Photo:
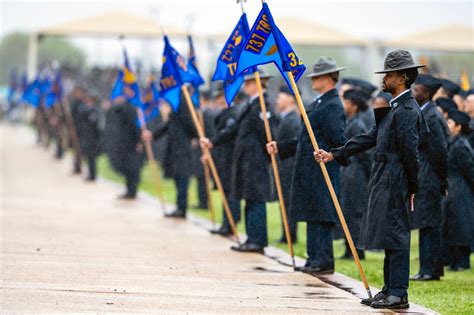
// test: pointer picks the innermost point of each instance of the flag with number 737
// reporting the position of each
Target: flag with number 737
(266, 43)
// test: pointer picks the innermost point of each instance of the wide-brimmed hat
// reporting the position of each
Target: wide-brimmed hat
(399, 60)
(324, 65)
(263, 75)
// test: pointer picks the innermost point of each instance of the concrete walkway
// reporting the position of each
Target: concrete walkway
(70, 246)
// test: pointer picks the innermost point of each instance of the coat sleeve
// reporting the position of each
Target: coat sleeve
(230, 130)
(160, 130)
(407, 123)
(132, 118)
(184, 115)
(226, 134)
(355, 145)
(465, 162)
(438, 150)
(287, 148)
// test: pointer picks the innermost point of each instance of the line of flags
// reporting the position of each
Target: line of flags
(244, 50)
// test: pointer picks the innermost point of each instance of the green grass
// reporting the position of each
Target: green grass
(454, 294)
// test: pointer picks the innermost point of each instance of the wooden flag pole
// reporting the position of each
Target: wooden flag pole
(151, 159)
(210, 161)
(329, 184)
(207, 179)
(276, 173)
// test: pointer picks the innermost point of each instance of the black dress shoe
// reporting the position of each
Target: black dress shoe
(377, 297)
(420, 277)
(224, 231)
(248, 248)
(391, 302)
(178, 214)
(127, 196)
(317, 270)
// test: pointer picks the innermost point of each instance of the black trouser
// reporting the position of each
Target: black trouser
(396, 272)
(256, 222)
(234, 206)
(182, 184)
(430, 251)
(59, 148)
(91, 160)
(132, 178)
(77, 162)
(319, 245)
(202, 191)
(461, 255)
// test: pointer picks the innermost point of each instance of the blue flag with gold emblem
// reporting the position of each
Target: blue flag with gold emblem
(35, 92)
(126, 79)
(226, 68)
(174, 73)
(266, 43)
(151, 101)
(55, 91)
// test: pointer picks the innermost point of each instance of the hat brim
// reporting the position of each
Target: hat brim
(401, 68)
(252, 77)
(317, 74)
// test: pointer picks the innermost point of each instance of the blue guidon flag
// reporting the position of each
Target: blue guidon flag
(266, 44)
(55, 91)
(151, 101)
(226, 68)
(192, 64)
(126, 79)
(174, 73)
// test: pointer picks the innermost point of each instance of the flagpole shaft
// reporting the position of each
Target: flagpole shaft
(211, 163)
(328, 183)
(276, 173)
(151, 159)
(207, 179)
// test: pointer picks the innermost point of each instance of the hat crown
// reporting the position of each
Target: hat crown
(324, 63)
(398, 59)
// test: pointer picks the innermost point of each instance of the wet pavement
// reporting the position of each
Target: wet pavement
(71, 246)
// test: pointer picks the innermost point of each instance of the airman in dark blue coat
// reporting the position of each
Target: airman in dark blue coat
(394, 178)
(460, 200)
(251, 175)
(433, 177)
(310, 199)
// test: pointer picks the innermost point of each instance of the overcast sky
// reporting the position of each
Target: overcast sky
(376, 19)
(366, 19)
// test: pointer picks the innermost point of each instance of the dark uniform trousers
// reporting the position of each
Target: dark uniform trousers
(319, 245)
(430, 251)
(91, 161)
(182, 184)
(202, 192)
(234, 206)
(132, 176)
(256, 222)
(396, 272)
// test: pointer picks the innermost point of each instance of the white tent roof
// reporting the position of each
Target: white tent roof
(303, 32)
(447, 38)
(111, 24)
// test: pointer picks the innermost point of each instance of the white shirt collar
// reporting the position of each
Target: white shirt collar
(425, 105)
(252, 98)
(393, 102)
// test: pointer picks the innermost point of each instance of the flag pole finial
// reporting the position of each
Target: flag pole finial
(242, 5)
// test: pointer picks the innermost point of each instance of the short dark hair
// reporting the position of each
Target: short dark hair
(334, 76)
(357, 98)
(409, 75)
